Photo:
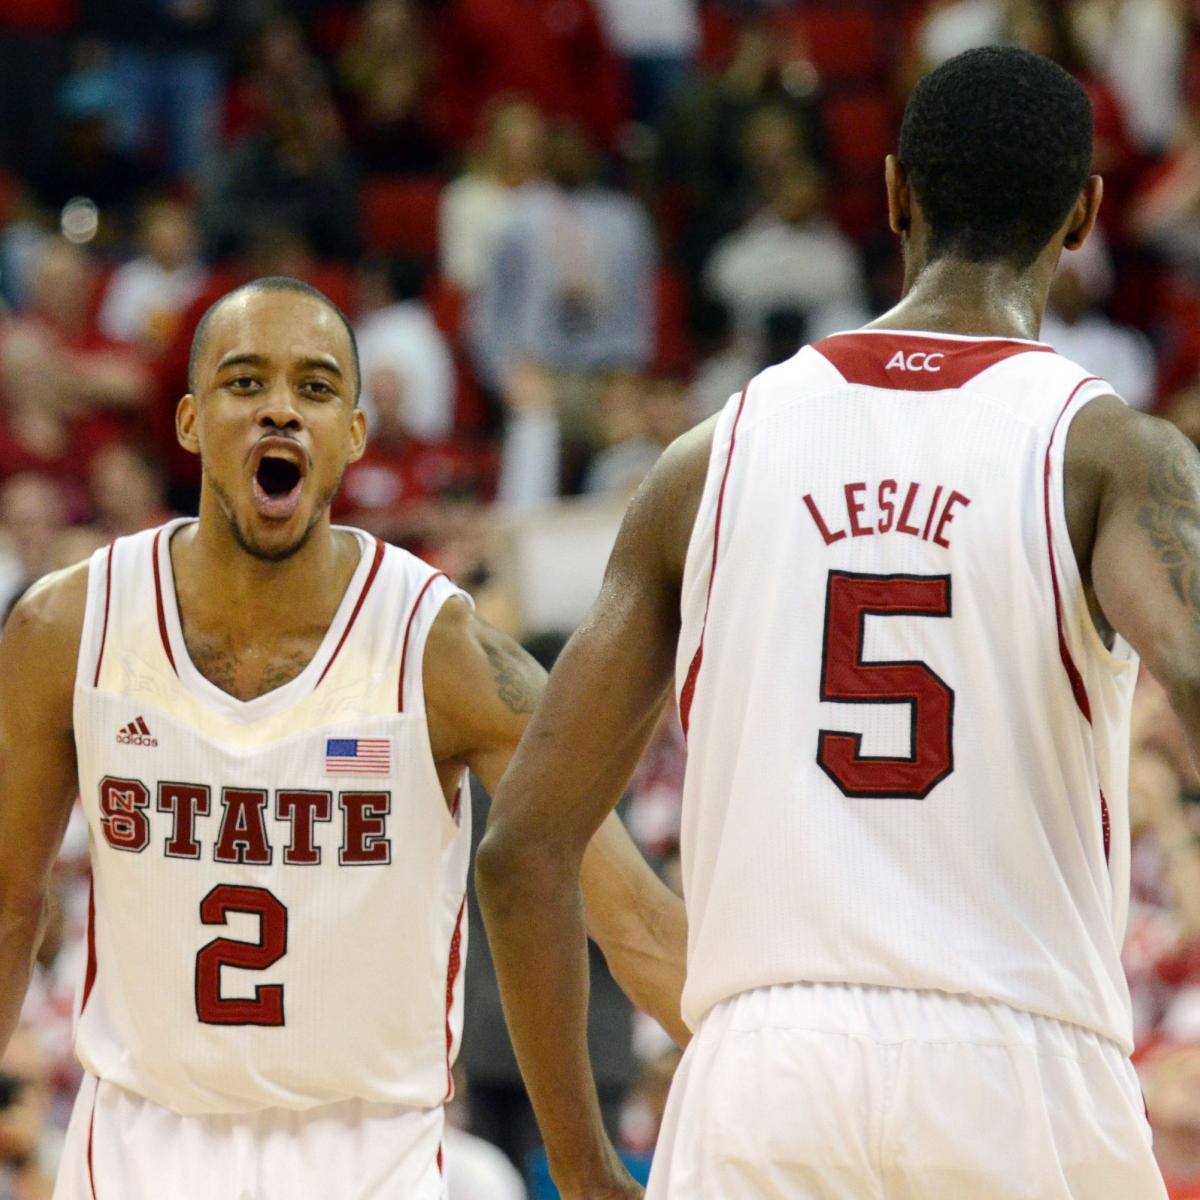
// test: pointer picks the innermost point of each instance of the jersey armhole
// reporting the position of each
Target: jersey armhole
(434, 593)
(94, 632)
(1080, 627)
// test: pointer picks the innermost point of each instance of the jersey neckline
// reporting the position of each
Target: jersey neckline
(950, 337)
(269, 703)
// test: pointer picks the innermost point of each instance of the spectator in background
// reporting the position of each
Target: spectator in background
(401, 483)
(1138, 46)
(568, 296)
(509, 154)
(294, 170)
(640, 417)
(84, 157)
(168, 69)
(951, 27)
(100, 373)
(126, 490)
(384, 74)
(552, 51)
(789, 255)
(658, 42)
(31, 521)
(146, 296)
(724, 365)
(44, 426)
(402, 350)
(1076, 326)
(726, 139)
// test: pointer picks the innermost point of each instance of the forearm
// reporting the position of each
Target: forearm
(21, 928)
(639, 924)
(532, 906)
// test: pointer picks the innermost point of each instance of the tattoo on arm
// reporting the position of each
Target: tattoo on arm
(515, 684)
(1172, 521)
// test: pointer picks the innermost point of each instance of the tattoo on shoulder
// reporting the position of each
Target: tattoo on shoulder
(513, 683)
(1172, 521)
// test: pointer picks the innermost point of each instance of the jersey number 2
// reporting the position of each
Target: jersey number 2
(847, 678)
(265, 1007)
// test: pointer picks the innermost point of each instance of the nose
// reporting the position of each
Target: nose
(279, 409)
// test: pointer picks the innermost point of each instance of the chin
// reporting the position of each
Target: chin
(277, 545)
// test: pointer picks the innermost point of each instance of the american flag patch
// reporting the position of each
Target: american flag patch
(358, 756)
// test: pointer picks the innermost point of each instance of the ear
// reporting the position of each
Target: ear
(899, 195)
(185, 424)
(1083, 216)
(358, 435)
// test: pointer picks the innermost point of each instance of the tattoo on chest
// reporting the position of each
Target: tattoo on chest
(1172, 521)
(513, 684)
(220, 666)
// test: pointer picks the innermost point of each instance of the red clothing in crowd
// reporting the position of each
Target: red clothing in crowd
(39, 16)
(551, 51)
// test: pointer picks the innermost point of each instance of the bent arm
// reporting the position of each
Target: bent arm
(1144, 562)
(37, 769)
(572, 766)
(482, 689)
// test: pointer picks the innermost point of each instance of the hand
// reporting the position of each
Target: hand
(613, 1183)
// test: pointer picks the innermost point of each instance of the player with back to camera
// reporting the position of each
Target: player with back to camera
(901, 584)
(269, 720)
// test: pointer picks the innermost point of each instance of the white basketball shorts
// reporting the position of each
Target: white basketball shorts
(819, 1092)
(120, 1146)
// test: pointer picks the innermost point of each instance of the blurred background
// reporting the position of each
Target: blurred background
(565, 230)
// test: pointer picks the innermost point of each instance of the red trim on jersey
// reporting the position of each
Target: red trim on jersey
(91, 1131)
(1105, 824)
(89, 977)
(1077, 685)
(453, 966)
(158, 600)
(407, 630)
(688, 692)
(107, 599)
(441, 1161)
(362, 596)
(925, 364)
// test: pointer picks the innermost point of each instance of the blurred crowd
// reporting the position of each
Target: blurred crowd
(565, 230)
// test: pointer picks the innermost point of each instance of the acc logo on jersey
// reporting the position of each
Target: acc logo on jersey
(918, 361)
(137, 733)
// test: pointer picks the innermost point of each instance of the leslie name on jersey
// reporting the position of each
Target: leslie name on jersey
(861, 510)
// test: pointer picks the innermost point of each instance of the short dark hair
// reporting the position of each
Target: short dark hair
(271, 283)
(997, 144)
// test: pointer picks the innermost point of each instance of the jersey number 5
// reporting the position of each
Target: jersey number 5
(266, 1005)
(847, 678)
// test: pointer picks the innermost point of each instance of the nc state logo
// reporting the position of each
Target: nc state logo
(919, 361)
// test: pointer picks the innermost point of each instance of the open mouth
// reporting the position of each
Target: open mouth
(277, 483)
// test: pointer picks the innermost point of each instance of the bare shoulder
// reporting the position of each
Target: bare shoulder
(478, 680)
(664, 509)
(40, 644)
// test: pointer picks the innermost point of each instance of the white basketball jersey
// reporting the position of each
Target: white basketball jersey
(907, 745)
(278, 885)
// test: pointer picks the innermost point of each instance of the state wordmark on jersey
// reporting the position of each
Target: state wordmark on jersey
(245, 826)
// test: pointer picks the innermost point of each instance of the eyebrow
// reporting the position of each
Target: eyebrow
(321, 363)
(325, 362)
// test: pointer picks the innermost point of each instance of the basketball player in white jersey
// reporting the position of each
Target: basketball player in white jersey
(269, 721)
(901, 584)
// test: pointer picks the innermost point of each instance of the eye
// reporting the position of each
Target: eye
(243, 383)
(319, 387)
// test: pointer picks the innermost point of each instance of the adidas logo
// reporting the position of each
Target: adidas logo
(137, 733)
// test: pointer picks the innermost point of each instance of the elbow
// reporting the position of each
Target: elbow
(514, 872)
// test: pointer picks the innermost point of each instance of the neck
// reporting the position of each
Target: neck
(221, 582)
(951, 295)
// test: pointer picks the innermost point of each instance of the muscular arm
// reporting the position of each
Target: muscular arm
(37, 768)
(481, 690)
(568, 774)
(1133, 491)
